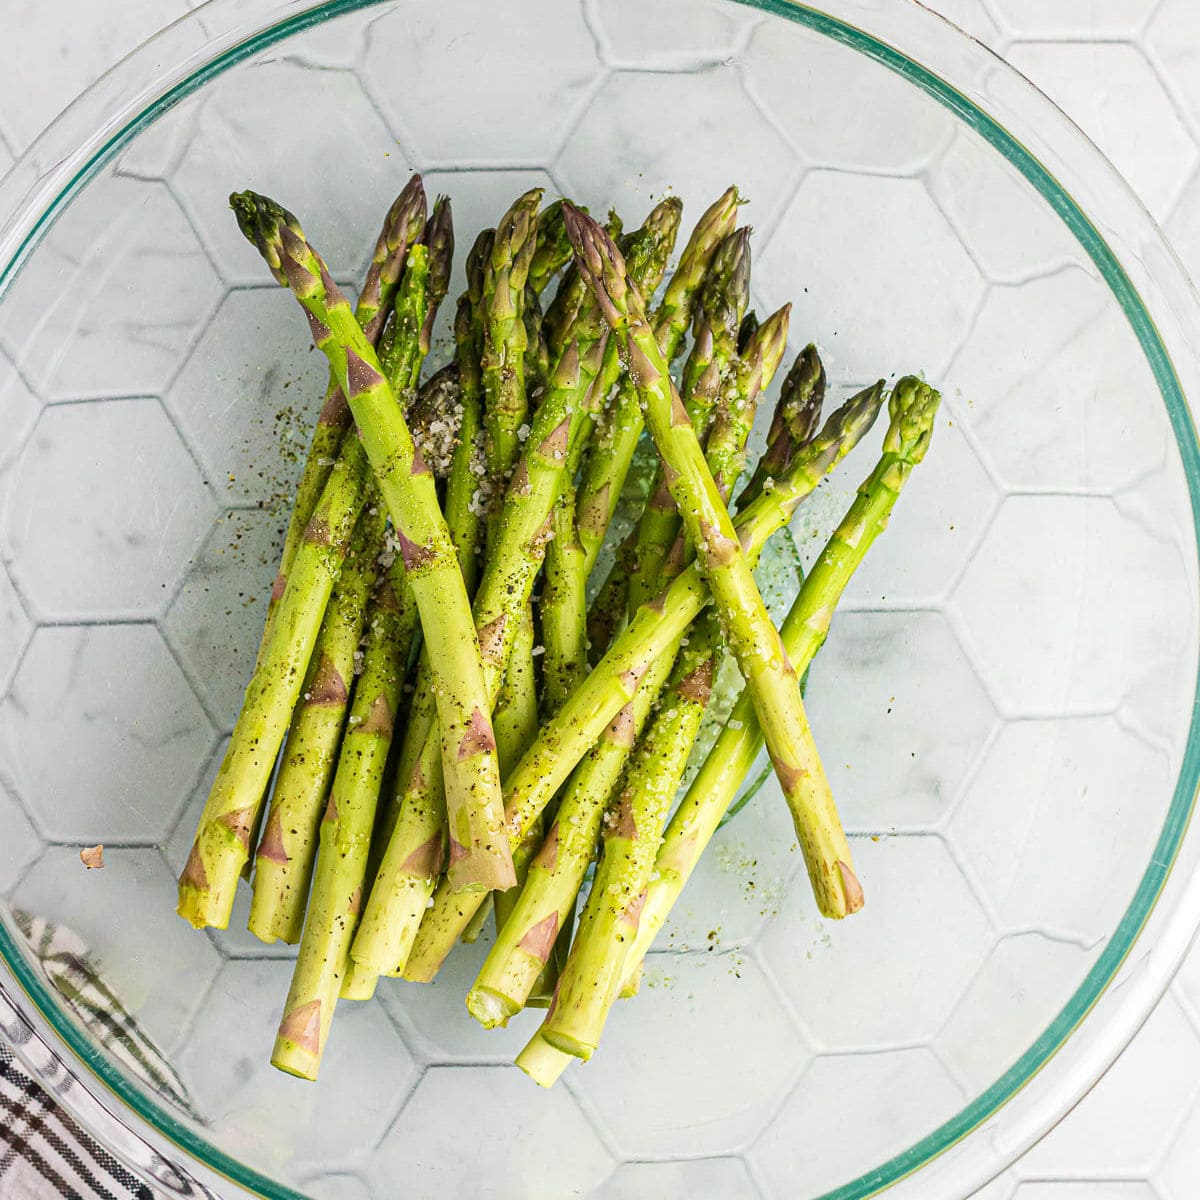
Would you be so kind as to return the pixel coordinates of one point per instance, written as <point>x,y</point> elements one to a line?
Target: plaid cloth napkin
<point>44,1154</point>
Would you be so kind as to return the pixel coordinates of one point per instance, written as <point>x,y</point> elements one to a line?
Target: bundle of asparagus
<point>428,633</point>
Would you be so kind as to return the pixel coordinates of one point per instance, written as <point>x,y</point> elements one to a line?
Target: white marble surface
<point>1127,71</point>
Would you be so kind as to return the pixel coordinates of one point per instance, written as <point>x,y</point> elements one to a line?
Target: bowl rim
<point>72,150</point>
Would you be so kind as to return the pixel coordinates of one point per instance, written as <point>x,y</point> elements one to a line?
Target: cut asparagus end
<point>568,1043</point>
<point>389,928</point>
<point>204,907</point>
<point>292,1061</point>
<point>490,1008</point>
<point>542,1062</point>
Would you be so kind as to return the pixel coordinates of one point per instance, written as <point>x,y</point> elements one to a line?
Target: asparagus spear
<point>794,421</point>
<point>608,463</point>
<point>464,505</point>
<point>439,237</point>
<point>750,632</point>
<point>751,373</point>
<point>346,827</point>
<point>722,303</point>
<point>516,713</point>
<point>401,228</point>
<point>476,927</point>
<point>524,943</point>
<point>552,251</point>
<point>516,721</point>
<point>594,971</point>
<point>411,861</point>
<point>222,843</point>
<point>912,408</point>
<point>654,632</point>
<point>548,896</point>
<point>283,863</point>
<point>562,608</point>
<point>504,341</point>
<point>537,351</point>
<point>479,854</point>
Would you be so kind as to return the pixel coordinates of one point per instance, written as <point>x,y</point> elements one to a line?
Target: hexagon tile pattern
<point>960,820</point>
<point>81,548</point>
<point>108,735</point>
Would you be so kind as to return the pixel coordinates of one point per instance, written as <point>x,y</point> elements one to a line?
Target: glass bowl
<point>1006,702</point>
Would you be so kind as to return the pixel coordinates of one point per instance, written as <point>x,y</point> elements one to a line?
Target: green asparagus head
<point>512,253</point>
<point>439,238</point>
<point>726,290</point>
<point>716,224</point>
<point>600,264</point>
<point>767,345</point>
<point>560,320</point>
<point>401,228</point>
<point>401,349</point>
<point>552,249</point>
<point>844,429</point>
<point>794,420</point>
<point>537,352</point>
<point>647,250</point>
<point>912,407</point>
<point>405,220</point>
<point>476,265</point>
<point>262,222</point>
<point>614,224</point>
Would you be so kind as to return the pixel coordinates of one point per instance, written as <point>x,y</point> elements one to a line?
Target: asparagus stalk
<point>563,608</point>
<point>401,228</point>
<point>608,463</point>
<point>721,306</point>
<point>516,721</point>
<point>464,504</point>
<point>751,374</point>
<point>504,340</point>
<point>478,852</point>
<point>654,632</point>
<point>523,945</point>
<point>222,843</point>
<point>752,636</point>
<point>564,637</point>
<point>346,828</point>
<point>516,714</point>
<point>589,983</point>
<point>411,861</point>
<point>912,408</point>
<point>439,237</point>
<point>283,863</point>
